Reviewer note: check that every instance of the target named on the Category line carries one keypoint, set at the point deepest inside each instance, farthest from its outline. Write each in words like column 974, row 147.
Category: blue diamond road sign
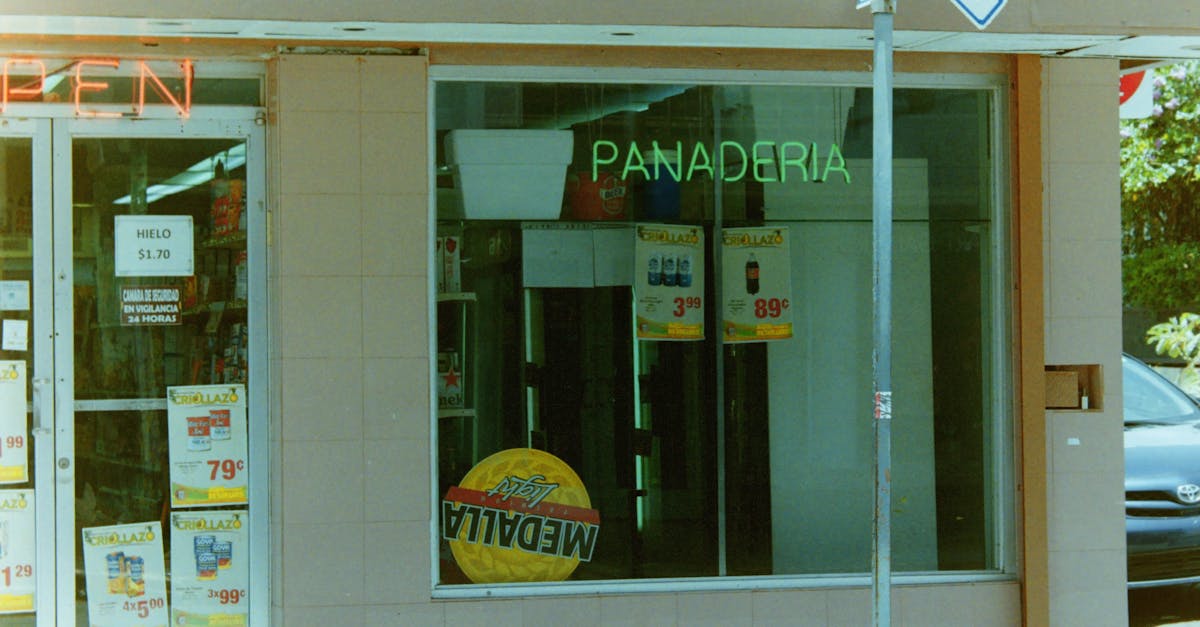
column 980, row 12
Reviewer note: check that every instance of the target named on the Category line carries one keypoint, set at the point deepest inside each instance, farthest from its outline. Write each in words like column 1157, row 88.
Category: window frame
column 1000, row 352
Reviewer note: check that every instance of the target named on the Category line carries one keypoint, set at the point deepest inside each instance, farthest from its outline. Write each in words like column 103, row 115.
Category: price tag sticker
column 147, row 245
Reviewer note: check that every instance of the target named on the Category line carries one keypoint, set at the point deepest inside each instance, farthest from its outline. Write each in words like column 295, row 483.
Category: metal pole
column 882, row 13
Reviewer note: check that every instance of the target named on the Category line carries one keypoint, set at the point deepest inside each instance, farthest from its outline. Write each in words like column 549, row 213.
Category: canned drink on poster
column 136, row 583
column 668, row 270
column 115, row 564
column 224, row 553
column 206, row 566
column 199, row 430
column 203, row 544
column 218, row 423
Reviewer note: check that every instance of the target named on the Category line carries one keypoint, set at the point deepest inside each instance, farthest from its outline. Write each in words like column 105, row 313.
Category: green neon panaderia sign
column 765, row 161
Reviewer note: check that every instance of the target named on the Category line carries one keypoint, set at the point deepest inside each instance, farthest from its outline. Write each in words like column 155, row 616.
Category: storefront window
column 667, row 287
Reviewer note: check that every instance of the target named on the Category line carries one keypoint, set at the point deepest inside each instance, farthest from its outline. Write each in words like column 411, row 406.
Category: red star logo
column 451, row 378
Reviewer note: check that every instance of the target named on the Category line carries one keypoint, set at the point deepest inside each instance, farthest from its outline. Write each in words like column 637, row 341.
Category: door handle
column 40, row 387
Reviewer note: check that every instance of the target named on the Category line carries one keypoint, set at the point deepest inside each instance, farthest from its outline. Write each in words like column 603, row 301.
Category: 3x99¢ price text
column 231, row 596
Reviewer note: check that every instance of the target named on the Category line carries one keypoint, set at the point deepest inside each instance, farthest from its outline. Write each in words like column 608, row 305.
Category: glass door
column 27, row 487
column 153, row 325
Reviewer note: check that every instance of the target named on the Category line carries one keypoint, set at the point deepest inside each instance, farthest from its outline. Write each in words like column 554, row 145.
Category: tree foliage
column 1160, row 194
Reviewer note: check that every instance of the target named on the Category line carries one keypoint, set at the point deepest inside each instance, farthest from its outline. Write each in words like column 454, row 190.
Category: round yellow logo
column 520, row 515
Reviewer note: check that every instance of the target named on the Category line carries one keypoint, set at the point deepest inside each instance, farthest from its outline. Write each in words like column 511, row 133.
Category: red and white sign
column 1136, row 95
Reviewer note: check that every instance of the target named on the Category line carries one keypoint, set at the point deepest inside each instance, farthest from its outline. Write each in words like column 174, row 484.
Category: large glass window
column 734, row 438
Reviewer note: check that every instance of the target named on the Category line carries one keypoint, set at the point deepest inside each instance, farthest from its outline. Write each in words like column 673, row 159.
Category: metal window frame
column 232, row 123
column 1001, row 431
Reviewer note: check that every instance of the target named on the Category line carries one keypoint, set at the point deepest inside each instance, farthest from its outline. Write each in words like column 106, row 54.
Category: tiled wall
column 351, row 339
column 1082, row 253
column 350, row 514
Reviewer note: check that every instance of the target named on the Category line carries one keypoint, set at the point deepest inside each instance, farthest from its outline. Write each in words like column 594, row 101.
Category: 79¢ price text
column 227, row 468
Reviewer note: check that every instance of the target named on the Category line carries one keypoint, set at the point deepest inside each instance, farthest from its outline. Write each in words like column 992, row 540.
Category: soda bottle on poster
column 751, row 275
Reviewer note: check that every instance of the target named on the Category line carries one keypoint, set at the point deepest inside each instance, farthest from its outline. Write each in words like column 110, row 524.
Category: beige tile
column 323, row 399
column 395, row 153
column 319, row 83
column 1075, row 340
column 397, row 563
column 727, row 609
column 324, row 565
column 396, row 480
column 395, row 314
column 854, row 606
column 484, row 613
column 573, row 611
column 322, row 482
column 397, row 398
column 1083, row 125
column 395, row 235
column 320, row 235
column 1081, row 71
column 1087, row 442
column 639, row 610
column 309, row 616
column 1096, row 498
column 1099, row 572
column 320, row 153
column 1086, row 277
column 1090, row 608
column 320, row 317
column 979, row 605
column 1084, row 202
column 790, row 608
column 406, row 615
column 395, row 84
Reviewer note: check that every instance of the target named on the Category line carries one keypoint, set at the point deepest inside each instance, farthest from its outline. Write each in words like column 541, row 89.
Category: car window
column 1151, row 398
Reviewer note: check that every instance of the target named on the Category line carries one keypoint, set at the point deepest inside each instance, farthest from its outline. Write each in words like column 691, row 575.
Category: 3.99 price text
column 683, row 304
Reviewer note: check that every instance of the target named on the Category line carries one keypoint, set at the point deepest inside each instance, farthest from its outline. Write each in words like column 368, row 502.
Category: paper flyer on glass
column 669, row 282
column 14, row 432
column 757, row 284
column 210, row 568
column 17, row 546
column 126, row 575
column 206, row 428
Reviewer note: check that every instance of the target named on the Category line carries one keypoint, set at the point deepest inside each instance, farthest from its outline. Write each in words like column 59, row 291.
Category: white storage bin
column 509, row 174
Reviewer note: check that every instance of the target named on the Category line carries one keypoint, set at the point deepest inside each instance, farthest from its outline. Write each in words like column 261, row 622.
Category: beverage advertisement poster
column 126, row 575
column 17, row 543
column 757, row 284
column 14, row 435
column 206, row 428
column 210, row 568
column 669, row 282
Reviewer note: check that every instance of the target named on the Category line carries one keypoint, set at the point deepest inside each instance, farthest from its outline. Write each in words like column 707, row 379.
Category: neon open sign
column 25, row 80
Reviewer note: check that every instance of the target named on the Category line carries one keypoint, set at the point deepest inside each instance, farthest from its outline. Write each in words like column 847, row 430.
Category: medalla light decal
column 765, row 161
